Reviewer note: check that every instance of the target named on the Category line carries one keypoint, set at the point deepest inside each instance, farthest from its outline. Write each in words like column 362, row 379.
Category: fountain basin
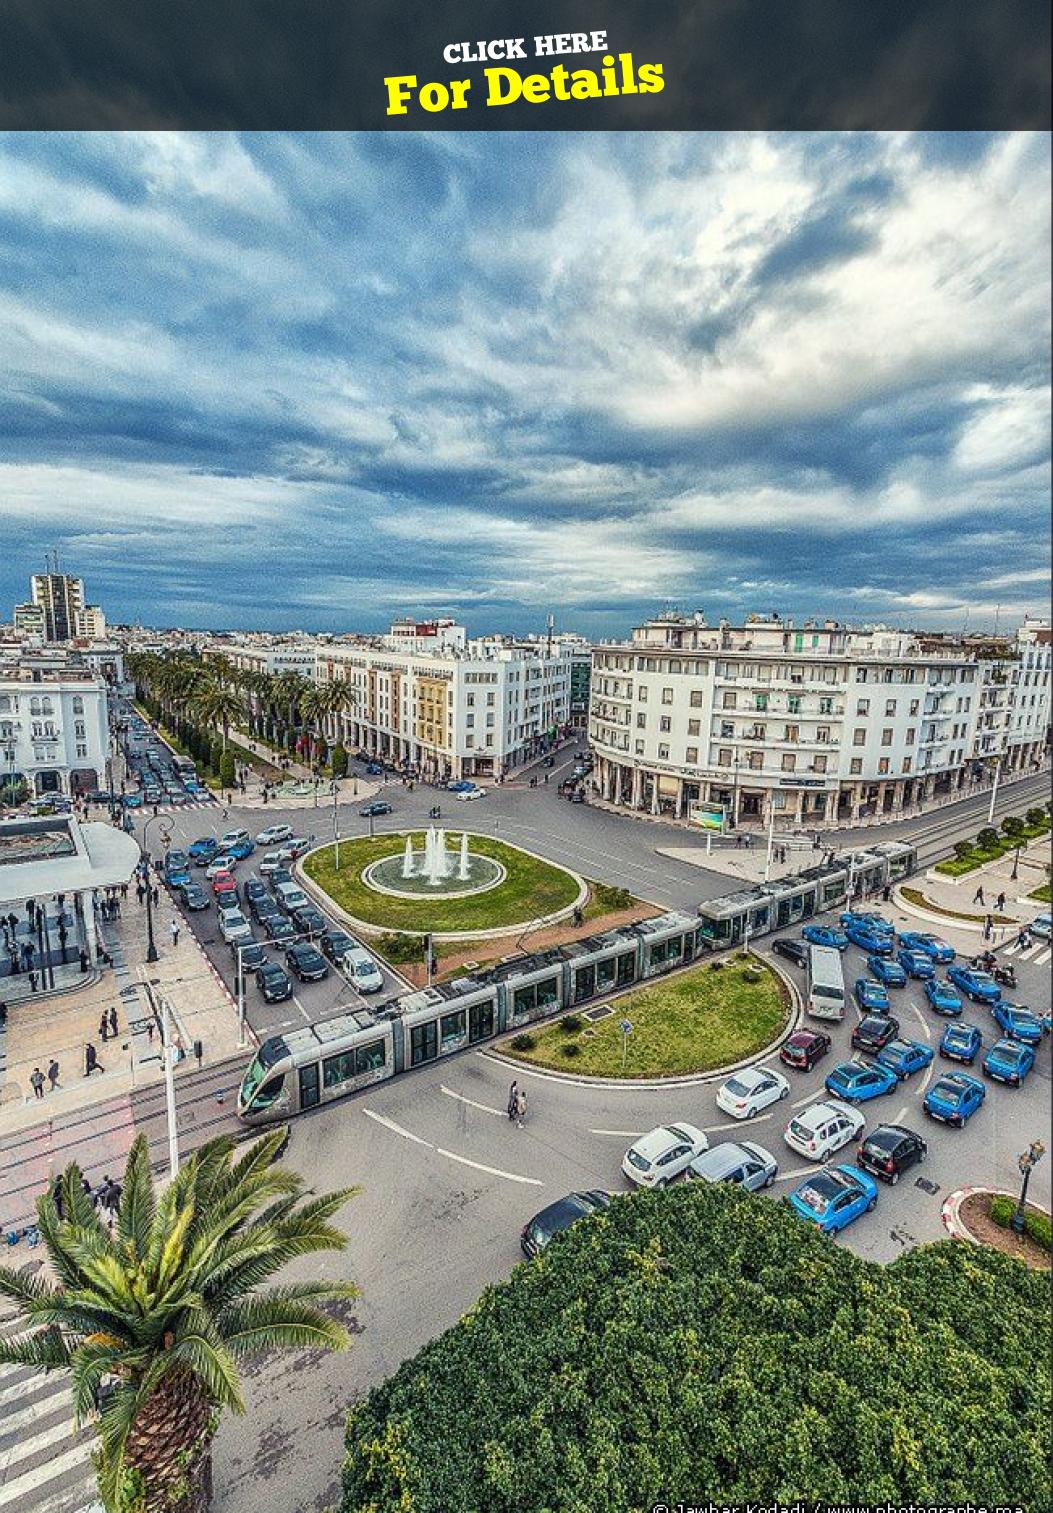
column 386, row 876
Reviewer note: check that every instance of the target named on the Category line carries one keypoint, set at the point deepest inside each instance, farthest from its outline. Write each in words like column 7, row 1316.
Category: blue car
column 856, row 1083
column 943, row 998
column 204, row 850
column 1009, row 1061
column 132, row 801
column 241, row 849
column 1018, row 1023
column 834, row 1197
column 954, row 1098
column 871, row 997
column 979, row 986
column 939, row 950
column 961, row 1042
column 868, row 921
column 867, row 939
column 904, row 1057
column 822, row 935
column 916, row 964
column 890, row 973
column 177, row 877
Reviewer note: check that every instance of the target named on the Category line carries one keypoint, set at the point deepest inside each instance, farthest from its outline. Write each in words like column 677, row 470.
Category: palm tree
column 165, row 1308
column 289, row 689
column 320, row 702
column 215, row 705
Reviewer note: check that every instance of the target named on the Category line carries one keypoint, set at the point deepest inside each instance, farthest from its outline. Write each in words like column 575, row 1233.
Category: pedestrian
column 988, row 926
column 512, row 1091
column 53, row 1073
column 124, row 890
column 113, row 1198
column 978, row 897
column 140, row 893
column 32, row 982
column 36, row 1082
column 83, row 960
column 175, row 933
column 91, row 1060
column 57, row 1198
column 521, row 1107
column 199, row 1051
column 113, row 1020
column 886, row 892
column 999, row 903
column 155, row 896
column 104, row 1027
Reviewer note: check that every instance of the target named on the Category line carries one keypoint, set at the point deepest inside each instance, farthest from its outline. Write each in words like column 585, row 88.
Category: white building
column 61, row 598
column 54, row 730
column 30, row 621
column 815, row 724
column 273, row 658
column 90, row 623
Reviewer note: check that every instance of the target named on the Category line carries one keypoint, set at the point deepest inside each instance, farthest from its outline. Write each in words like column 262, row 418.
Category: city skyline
column 281, row 382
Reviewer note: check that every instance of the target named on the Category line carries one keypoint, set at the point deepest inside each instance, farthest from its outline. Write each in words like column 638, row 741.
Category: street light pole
column 151, row 945
column 1027, row 1162
column 771, row 838
column 994, row 791
column 170, row 1103
column 1016, row 864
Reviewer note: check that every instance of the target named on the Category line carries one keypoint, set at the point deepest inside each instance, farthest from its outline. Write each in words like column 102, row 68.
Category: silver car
column 741, row 1161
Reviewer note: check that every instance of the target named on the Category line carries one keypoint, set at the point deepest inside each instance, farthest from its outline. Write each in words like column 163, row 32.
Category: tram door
column 309, row 1085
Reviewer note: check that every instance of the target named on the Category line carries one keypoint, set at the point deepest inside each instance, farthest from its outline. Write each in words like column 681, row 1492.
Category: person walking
column 155, row 896
column 512, row 1091
column 36, row 1082
column 988, row 926
column 978, row 897
column 53, row 1073
column 175, row 933
column 104, row 1027
column 521, row 1107
column 140, row 892
column 83, row 960
column 32, row 982
column 999, row 903
column 91, row 1060
column 113, row 1020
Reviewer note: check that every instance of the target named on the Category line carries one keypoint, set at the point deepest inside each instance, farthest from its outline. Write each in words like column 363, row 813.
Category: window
column 915, row 705
column 907, row 763
column 641, row 720
column 424, row 1042
column 78, row 704
column 826, row 706
column 451, row 1028
column 822, row 734
column 856, row 765
column 760, row 702
column 793, row 703
column 538, row 995
column 882, row 765
column 480, row 1020
column 665, row 724
column 862, row 707
column 789, row 761
column 724, row 757
column 639, row 748
column 469, row 720
column 890, row 708
column 691, row 755
column 730, row 699
column 791, row 732
column 82, row 750
column 667, row 695
column 820, row 764
column 755, row 760
column 694, row 727
column 641, row 693
column 727, row 729
column 470, row 701
column 663, row 753
column 859, row 738
column 886, row 737
column 696, row 698
column 911, row 733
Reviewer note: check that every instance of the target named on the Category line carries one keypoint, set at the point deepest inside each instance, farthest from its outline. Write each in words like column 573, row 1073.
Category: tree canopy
column 700, row 1343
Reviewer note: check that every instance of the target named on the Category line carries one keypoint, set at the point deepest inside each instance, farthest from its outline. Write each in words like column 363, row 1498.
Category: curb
column 949, row 1212
column 949, row 921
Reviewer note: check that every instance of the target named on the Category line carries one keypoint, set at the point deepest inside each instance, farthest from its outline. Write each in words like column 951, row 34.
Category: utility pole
column 771, row 840
column 994, row 791
column 241, row 999
column 336, row 827
column 170, row 1103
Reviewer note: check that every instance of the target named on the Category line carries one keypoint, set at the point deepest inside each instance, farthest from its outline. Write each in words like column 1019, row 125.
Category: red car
column 804, row 1048
column 223, row 882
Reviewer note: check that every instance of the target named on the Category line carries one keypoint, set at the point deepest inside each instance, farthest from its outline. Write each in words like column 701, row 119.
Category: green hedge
column 1036, row 1224
column 705, row 1341
column 970, row 855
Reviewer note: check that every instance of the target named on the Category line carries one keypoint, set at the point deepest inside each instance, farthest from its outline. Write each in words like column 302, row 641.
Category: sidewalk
column 957, row 895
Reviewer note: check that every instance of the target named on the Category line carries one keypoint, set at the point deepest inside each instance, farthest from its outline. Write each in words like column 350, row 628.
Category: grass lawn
column 708, row 1016
column 1042, row 894
column 531, row 888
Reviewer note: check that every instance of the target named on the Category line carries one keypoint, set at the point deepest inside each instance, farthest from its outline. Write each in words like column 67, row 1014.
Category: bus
column 826, row 984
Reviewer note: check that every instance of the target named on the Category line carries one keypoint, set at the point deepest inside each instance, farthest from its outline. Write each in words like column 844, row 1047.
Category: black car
column 374, row 809
column 874, row 1032
column 559, row 1216
column 194, row 896
column 265, row 908
column 794, row 950
column 278, row 928
column 889, row 1151
column 335, row 942
column 251, row 956
column 308, row 964
column 550, row 761
column 309, row 921
column 280, row 875
column 252, row 888
column 273, row 982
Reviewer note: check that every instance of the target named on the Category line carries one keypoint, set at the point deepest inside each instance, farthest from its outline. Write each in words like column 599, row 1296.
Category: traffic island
column 983, row 1216
column 713, row 1015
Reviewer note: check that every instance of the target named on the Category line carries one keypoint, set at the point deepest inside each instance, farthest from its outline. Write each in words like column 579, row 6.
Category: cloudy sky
column 278, row 381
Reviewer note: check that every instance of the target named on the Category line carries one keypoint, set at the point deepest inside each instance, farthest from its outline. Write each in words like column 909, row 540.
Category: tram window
column 369, row 1058
column 268, row 1092
column 424, row 1042
column 833, row 891
column 452, row 1026
column 759, row 920
column 584, row 983
column 339, row 1068
column 605, row 974
column 626, row 967
column 253, row 1077
column 480, row 1020
column 547, row 992
column 538, row 995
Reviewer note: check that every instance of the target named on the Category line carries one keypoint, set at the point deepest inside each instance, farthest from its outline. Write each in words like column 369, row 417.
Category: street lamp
column 736, row 764
column 1016, row 863
column 1027, row 1162
column 151, row 945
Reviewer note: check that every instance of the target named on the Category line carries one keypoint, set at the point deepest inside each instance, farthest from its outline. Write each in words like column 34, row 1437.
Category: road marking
column 484, row 1107
column 301, row 1008
column 819, row 1094
column 923, row 1020
column 926, row 1079
column 397, row 1129
column 1040, row 961
column 13, row 1491
column 798, row 1171
column 622, row 1134
column 711, row 1129
column 494, row 1171
column 901, row 1115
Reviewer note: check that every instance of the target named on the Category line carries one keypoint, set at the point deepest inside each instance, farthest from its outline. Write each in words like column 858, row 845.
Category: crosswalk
column 1039, row 952
column 45, row 1463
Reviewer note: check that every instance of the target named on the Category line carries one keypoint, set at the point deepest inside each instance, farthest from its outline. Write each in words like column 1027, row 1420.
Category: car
column 374, row 769
column 132, row 800
column 905, row 1057
column 794, row 950
column 274, row 982
column 470, row 794
column 833, row 1199
column 290, row 897
column 916, row 964
column 177, row 797
column 748, row 1165
column 890, row 1150
column 875, row 942
column 203, row 850
column 371, row 810
column 307, row 964
column 1009, row 1061
column 1040, row 926
column 176, row 860
column 658, row 1157
column 250, row 956
column 549, row 761
column 558, row 1216
column 228, row 900
column 194, row 896
column 856, row 1083
column 361, row 970
column 943, row 998
column 279, row 875
column 234, row 927
column 979, row 986
column 309, row 921
column 578, row 797
column 177, row 877
column 232, row 838
column 272, row 835
column 868, row 920
column 961, row 1042
column 220, row 863
column 822, row 1128
column 750, row 1090
column 295, row 847
column 223, row 882
column 889, row 973
column 335, row 943
column 933, row 946
column 1018, row 1022
column 871, row 997
column 278, row 929
column 271, row 863
column 265, row 908
column 874, row 1032
column 954, row 1098
column 241, row 849
column 804, row 1048
column 252, row 888
column 823, row 935
column 152, row 795
column 460, row 787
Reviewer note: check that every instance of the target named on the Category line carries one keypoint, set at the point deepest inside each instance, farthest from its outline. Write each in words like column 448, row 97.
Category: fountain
column 462, row 874
column 408, row 869
column 412, row 873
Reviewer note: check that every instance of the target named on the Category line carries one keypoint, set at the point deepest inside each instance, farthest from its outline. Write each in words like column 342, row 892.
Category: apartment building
column 54, row 729
column 813, row 725
column 274, row 658
column 62, row 599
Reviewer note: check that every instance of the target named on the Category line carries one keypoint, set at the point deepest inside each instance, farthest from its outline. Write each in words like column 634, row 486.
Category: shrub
column 15, row 792
column 612, row 898
column 1040, row 1228
column 1013, row 825
column 524, row 1041
column 716, row 966
column 963, row 849
column 572, row 1023
column 987, row 838
column 401, row 948
column 572, row 1048
column 1002, row 1209
column 339, row 762
column 1036, row 816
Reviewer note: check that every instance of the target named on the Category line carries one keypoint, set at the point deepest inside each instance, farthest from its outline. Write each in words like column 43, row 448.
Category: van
column 290, row 897
column 825, row 992
column 361, row 970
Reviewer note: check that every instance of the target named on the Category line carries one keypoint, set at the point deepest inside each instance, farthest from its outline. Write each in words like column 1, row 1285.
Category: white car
column 295, row 846
column 273, row 834
column 747, row 1092
column 822, row 1128
column 234, row 927
column 361, row 970
column 657, row 1158
column 471, row 793
column 273, row 861
column 1041, row 926
column 233, row 838
column 219, row 864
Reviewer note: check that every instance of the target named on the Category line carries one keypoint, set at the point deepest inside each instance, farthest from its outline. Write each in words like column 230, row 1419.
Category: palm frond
column 258, row 1324
column 136, row 1214
column 46, row 1349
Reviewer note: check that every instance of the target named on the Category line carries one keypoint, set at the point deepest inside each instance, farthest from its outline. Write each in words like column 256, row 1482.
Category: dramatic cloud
column 317, row 381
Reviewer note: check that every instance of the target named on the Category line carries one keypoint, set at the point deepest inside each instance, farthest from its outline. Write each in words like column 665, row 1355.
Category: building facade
column 54, row 731
column 808, row 726
column 61, row 598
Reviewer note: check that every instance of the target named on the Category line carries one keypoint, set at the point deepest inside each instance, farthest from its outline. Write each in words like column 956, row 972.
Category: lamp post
column 151, row 945
column 736, row 764
column 1027, row 1162
column 994, row 790
column 1016, row 863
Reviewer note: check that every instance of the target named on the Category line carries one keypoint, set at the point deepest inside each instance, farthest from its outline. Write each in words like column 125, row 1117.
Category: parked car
column 871, row 997
column 176, row 860
column 272, row 835
column 374, row 809
column 252, row 888
column 460, row 787
column 309, row 921
column 823, row 935
column 979, row 986
column 961, row 1042
column 334, row 943
column 265, row 908
column 194, row 896
column 222, row 862
column 558, row 1216
column 308, row 964
column 274, row 982
column 804, row 1048
column 833, row 1199
column 374, row 769
column 747, row 1092
column 470, row 794
column 890, row 1150
column 223, row 882
column 858, row 1084
column 241, row 849
column 1018, row 1022
column 657, row 1158
column 1009, row 1061
column 361, row 970
column 822, row 1128
column 1040, row 926
column 294, row 847
column 905, row 1057
column 943, row 998
column 203, row 850
column 742, row 1162
column 794, row 950
column 874, row 1032
column 232, row 838
column 917, row 964
column 933, row 946
column 875, row 942
column 234, row 927
column 250, row 955
column 889, row 973
column 177, row 877
column 271, row 863
column 868, row 920
column 278, row 929
column 954, row 1098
